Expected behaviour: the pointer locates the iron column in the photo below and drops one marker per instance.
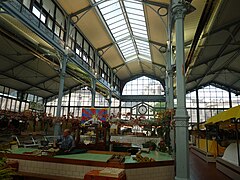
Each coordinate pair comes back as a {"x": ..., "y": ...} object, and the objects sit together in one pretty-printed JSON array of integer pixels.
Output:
[{"x": 182, "y": 152}]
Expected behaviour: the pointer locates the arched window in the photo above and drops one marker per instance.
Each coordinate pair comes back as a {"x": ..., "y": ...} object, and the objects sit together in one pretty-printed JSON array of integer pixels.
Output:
[{"x": 143, "y": 86}]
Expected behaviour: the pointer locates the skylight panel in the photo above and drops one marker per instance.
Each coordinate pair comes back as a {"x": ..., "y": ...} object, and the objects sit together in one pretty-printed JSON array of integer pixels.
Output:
[
  {"x": 122, "y": 36},
  {"x": 116, "y": 26},
  {"x": 128, "y": 48},
  {"x": 137, "y": 26},
  {"x": 140, "y": 31},
  {"x": 141, "y": 46},
  {"x": 132, "y": 57},
  {"x": 114, "y": 19},
  {"x": 118, "y": 23},
  {"x": 144, "y": 41},
  {"x": 133, "y": 4},
  {"x": 114, "y": 15},
  {"x": 120, "y": 29},
  {"x": 135, "y": 21},
  {"x": 114, "y": 10},
  {"x": 143, "y": 51},
  {"x": 106, "y": 3},
  {"x": 124, "y": 42},
  {"x": 129, "y": 53},
  {"x": 139, "y": 34},
  {"x": 135, "y": 11},
  {"x": 126, "y": 21},
  {"x": 136, "y": 17},
  {"x": 119, "y": 33}
]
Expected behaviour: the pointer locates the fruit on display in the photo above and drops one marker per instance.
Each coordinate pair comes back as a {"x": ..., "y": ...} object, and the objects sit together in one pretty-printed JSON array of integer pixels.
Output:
[{"x": 140, "y": 158}]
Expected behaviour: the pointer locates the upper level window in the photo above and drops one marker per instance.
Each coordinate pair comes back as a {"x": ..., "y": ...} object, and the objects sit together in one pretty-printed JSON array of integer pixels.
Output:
[
  {"x": 27, "y": 3},
  {"x": 143, "y": 86},
  {"x": 213, "y": 97},
  {"x": 38, "y": 13}
]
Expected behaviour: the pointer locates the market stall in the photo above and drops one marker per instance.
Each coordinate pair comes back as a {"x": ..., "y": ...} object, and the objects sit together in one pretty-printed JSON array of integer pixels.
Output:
[
  {"x": 224, "y": 131},
  {"x": 33, "y": 163}
]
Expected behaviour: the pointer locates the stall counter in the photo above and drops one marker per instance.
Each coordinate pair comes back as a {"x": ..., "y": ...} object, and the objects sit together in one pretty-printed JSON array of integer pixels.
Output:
[{"x": 77, "y": 165}]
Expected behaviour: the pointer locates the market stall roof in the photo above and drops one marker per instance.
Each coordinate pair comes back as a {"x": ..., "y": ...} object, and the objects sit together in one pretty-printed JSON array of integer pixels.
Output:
[{"x": 225, "y": 115}]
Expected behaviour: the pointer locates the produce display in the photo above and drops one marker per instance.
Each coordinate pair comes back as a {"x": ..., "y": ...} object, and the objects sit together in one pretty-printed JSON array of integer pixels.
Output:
[
  {"x": 117, "y": 158},
  {"x": 140, "y": 158}
]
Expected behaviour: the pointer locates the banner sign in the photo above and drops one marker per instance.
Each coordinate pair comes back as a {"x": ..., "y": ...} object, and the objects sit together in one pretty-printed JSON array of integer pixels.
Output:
[{"x": 98, "y": 113}]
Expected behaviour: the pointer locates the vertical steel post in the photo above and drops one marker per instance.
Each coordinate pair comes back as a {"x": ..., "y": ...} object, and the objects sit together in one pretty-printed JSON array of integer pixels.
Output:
[
  {"x": 57, "y": 128},
  {"x": 181, "y": 117},
  {"x": 93, "y": 91},
  {"x": 169, "y": 79}
]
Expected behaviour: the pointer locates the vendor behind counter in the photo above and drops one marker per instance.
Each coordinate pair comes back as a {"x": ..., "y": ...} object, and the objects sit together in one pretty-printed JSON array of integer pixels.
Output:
[{"x": 67, "y": 145}]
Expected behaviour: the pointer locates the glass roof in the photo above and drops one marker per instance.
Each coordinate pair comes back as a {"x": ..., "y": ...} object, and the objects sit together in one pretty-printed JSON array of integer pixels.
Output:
[{"x": 126, "y": 21}]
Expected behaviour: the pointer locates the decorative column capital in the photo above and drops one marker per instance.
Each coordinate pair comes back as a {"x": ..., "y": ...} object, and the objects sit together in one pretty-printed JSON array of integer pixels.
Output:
[{"x": 179, "y": 9}]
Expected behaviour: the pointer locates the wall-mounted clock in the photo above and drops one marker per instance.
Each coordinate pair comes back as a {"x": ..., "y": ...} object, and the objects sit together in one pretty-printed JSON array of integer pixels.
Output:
[{"x": 142, "y": 109}]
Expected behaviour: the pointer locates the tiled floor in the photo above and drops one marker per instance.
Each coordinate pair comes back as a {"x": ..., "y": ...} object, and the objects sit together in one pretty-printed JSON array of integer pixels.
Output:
[{"x": 201, "y": 170}]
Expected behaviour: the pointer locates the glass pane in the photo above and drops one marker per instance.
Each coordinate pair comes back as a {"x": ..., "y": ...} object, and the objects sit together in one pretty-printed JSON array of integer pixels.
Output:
[
  {"x": 36, "y": 12},
  {"x": 134, "y": 11},
  {"x": 57, "y": 30},
  {"x": 49, "y": 7},
  {"x": 124, "y": 42},
  {"x": 116, "y": 24},
  {"x": 120, "y": 28},
  {"x": 137, "y": 17},
  {"x": 43, "y": 18},
  {"x": 139, "y": 35},
  {"x": 122, "y": 36},
  {"x": 126, "y": 45},
  {"x": 79, "y": 39},
  {"x": 114, "y": 12},
  {"x": 121, "y": 32},
  {"x": 138, "y": 26},
  {"x": 27, "y": 3},
  {"x": 130, "y": 53},
  {"x": 60, "y": 17},
  {"x": 142, "y": 46},
  {"x": 141, "y": 23},
  {"x": 144, "y": 32},
  {"x": 106, "y": 3},
  {"x": 133, "y": 4},
  {"x": 50, "y": 23},
  {"x": 119, "y": 24},
  {"x": 141, "y": 42}
]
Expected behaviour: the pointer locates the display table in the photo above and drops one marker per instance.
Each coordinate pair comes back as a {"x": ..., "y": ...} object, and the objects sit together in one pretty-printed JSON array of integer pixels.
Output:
[{"x": 96, "y": 175}]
